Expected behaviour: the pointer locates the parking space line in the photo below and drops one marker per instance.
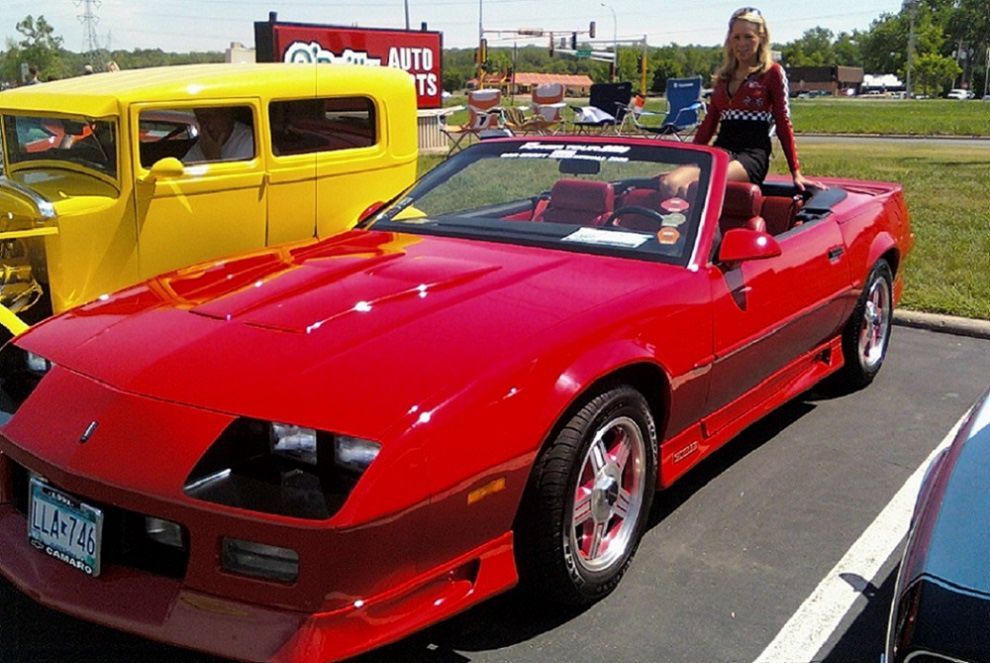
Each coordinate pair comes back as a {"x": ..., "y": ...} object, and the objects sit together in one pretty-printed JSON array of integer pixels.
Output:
[{"x": 809, "y": 629}]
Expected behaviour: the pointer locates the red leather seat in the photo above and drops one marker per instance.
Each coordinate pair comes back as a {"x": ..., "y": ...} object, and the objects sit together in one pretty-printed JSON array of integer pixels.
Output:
[
  {"x": 582, "y": 202},
  {"x": 779, "y": 213},
  {"x": 742, "y": 207}
]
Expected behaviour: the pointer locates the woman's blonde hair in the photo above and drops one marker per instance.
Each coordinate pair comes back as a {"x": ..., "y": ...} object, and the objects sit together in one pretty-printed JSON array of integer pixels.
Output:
[{"x": 763, "y": 57}]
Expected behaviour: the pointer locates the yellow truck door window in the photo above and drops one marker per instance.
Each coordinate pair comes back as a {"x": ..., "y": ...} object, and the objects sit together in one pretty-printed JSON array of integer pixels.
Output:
[
  {"x": 292, "y": 171},
  {"x": 200, "y": 185},
  {"x": 349, "y": 130}
]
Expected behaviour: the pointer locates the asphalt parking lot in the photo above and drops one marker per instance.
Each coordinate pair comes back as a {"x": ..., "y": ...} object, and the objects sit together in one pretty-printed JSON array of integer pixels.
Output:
[{"x": 733, "y": 550}]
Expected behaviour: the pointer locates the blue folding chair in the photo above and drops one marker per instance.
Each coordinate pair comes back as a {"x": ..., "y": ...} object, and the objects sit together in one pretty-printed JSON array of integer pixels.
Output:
[{"x": 684, "y": 108}]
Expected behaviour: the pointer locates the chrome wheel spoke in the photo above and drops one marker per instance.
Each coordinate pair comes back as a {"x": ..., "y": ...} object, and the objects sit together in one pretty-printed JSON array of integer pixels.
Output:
[
  {"x": 598, "y": 456},
  {"x": 622, "y": 505},
  {"x": 622, "y": 452},
  {"x": 582, "y": 507},
  {"x": 596, "y": 540}
]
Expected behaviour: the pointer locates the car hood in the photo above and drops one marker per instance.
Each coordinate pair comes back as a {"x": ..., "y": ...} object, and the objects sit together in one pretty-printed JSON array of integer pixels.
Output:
[
  {"x": 354, "y": 332},
  {"x": 32, "y": 198}
]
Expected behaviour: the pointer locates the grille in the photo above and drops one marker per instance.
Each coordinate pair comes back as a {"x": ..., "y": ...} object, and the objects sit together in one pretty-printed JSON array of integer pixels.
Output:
[{"x": 124, "y": 540}]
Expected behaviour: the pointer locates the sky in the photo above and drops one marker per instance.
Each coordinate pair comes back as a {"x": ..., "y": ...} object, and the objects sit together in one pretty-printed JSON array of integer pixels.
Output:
[{"x": 211, "y": 25}]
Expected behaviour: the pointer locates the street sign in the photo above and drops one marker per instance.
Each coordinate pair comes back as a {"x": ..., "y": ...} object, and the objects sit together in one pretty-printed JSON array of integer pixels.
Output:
[{"x": 583, "y": 53}]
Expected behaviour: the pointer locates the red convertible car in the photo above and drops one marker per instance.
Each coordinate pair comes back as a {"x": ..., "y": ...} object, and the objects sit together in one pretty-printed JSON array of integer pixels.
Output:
[{"x": 310, "y": 451}]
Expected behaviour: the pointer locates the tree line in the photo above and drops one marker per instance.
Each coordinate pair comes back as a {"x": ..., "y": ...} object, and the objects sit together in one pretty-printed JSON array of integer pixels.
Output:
[
  {"x": 39, "y": 46},
  {"x": 951, "y": 38}
]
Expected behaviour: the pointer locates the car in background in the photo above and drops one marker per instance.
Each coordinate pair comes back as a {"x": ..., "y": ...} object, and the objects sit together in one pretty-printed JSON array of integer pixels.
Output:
[
  {"x": 942, "y": 594},
  {"x": 960, "y": 94},
  {"x": 98, "y": 194},
  {"x": 308, "y": 451}
]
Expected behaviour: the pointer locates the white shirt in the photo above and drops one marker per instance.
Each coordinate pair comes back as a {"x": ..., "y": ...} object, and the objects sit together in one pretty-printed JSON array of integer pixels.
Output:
[{"x": 238, "y": 146}]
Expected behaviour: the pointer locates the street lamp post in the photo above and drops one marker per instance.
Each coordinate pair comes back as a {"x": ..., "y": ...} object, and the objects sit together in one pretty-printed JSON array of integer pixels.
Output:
[{"x": 615, "y": 42}]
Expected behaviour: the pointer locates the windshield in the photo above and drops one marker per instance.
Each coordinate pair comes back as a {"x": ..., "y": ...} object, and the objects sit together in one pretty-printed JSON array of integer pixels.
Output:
[
  {"x": 88, "y": 143},
  {"x": 587, "y": 196}
]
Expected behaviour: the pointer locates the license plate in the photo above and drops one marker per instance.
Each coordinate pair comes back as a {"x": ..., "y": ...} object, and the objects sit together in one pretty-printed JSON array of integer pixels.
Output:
[{"x": 63, "y": 527}]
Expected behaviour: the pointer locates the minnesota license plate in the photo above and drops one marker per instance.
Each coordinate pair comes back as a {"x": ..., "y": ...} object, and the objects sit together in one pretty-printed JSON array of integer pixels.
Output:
[{"x": 63, "y": 527}]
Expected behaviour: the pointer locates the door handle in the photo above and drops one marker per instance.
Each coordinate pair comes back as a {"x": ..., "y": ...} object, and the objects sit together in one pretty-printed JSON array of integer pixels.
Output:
[{"x": 835, "y": 252}]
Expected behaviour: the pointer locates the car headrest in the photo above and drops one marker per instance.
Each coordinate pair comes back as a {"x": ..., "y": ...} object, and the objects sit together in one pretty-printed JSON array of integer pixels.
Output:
[
  {"x": 582, "y": 195},
  {"x": 742, "y": 199}
]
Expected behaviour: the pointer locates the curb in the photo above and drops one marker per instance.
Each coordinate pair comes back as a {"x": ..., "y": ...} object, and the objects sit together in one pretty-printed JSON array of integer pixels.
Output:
[
  {"x": 906, "y": 137},
  {"x": 948, "y": 324}
]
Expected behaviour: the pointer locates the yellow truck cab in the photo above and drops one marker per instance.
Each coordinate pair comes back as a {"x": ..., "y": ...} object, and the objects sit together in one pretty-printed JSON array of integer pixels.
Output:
[{"x": 112, "y": 178}]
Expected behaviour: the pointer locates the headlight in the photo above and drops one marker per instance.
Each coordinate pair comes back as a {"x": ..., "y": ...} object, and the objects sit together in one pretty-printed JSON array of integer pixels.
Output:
[
  {"x": 20, "y": 373},
  {"x": 281, "y": 468},
  {"x": 303, "y": 445},
  {"x": 354, "y": 453},
  {"x": 294, "y": 442},
  {"x": 37, "y": 363}
]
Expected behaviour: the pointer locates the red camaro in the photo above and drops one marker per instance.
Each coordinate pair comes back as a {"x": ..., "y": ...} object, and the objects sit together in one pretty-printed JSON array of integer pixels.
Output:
[{"x": 310, "y": 451}]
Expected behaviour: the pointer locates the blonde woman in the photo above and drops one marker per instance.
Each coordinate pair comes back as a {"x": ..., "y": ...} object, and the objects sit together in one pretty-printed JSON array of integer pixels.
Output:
[{"x": 749, "y": 98}]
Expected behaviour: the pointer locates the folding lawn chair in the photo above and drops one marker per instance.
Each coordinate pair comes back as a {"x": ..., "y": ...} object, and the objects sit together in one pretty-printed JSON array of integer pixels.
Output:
[
  {"x": 484, "y": 118},
  {"x": 609, "y": 103},
  {"x": 684, "y": 108},
  {"x": 548, "y": 105}
]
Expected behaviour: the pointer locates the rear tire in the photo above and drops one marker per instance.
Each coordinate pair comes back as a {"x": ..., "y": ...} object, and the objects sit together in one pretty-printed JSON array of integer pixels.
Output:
[
  {"x": 588, "y": 500},
  {"x": 867, "y": 333}
]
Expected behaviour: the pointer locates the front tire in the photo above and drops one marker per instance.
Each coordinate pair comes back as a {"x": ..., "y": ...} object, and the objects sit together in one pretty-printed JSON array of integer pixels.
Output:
[
  {"x": 867, "y": 333},
  {"x": 588, "y": 500}
]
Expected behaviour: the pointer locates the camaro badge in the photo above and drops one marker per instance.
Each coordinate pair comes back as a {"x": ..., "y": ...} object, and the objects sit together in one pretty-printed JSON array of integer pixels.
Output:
[{"x": 88, "y": 433}]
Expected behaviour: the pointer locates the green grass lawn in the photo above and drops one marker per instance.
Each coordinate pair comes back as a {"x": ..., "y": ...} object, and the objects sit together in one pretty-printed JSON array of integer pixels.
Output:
[
  {"x": 946, "y": 192},
  {"x": 926, "y": 117}
]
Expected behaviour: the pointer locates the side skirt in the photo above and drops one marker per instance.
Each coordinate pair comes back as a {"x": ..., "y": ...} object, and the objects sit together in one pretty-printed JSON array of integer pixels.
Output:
[{"x": 685, "y": 450}]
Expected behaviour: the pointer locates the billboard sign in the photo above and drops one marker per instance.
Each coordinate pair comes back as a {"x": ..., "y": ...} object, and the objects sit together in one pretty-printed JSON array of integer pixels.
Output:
[{"x": 418, "y": 52}]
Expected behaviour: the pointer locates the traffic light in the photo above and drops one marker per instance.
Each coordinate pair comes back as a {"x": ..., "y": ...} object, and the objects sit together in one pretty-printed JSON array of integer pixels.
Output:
[
  {"x": 482, "y": 52},
  {"x": 573, "y": 41},
  {"x": 591, "y": 30},
  {"x": 551, "y": 44}
]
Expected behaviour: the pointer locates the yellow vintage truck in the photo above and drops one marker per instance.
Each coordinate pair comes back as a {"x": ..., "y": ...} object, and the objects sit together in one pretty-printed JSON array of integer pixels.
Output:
[{"x": 112, "y": 178}]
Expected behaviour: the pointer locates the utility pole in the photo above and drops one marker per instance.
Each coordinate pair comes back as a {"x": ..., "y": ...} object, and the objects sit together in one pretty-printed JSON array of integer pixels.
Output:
[
  {"x": 912, "y": 7},
  {"x": 406, "y": 3},
  {"x": 89, "y": 20},
  {"x": 481, "y": 46}
]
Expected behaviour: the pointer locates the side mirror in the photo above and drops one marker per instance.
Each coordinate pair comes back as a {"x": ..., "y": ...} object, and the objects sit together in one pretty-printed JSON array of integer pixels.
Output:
[
  {"x": 370, "y": 211},
  {"x": 164, "y": 169},
  {"x": 740, "y": 244}
]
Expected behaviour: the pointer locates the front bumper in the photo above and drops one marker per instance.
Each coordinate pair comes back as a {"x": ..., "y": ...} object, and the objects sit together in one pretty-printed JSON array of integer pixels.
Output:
[
  {"x": 360, "y": 585},
  {"x": 167, "y": 610},
  {"x": 163, "y": 609}
]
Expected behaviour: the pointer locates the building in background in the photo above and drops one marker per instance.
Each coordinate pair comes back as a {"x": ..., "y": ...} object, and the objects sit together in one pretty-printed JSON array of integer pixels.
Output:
[
  {"x": 834, "y": 80},
  {"x": 238, "y": 53}
]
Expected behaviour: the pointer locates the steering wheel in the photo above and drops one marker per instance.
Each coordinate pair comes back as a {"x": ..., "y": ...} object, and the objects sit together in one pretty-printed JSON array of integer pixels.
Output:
[{"x": 651, "y": 214}]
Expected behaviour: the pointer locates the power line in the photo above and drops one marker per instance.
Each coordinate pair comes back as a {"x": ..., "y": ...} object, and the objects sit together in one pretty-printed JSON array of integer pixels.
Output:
[{"x": 89, "y": 20}]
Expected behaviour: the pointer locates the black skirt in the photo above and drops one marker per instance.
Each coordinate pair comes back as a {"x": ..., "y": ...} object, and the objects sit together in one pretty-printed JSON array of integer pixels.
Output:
[{"x": 756, "y": 161}]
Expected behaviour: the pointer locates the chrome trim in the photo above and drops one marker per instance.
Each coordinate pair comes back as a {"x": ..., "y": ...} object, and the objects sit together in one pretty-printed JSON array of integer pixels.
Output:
[
  {"x": 924, "y": 652},
  {"x": 44, "y": 206},
  {"x": 210, "y": 478}
]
